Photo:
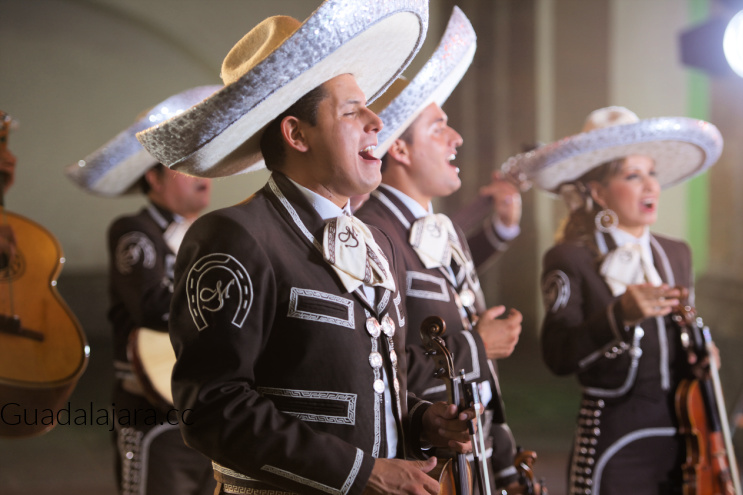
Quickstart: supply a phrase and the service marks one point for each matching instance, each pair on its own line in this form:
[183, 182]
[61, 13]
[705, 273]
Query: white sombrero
[114, 168]
[405, 100]
[681, 147]
[277, 63]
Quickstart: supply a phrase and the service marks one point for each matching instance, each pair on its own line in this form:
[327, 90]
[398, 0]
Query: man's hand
[500, 336]
[506, 199]
[396, 476]
[443, 427]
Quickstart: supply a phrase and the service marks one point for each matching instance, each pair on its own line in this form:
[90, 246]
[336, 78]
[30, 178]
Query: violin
[43, 350]
[524, 462]
[710, 467]
[455, 476]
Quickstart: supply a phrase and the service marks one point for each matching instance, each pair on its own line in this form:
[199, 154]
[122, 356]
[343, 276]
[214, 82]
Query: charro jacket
[140, 274]
[280, 367]
[628, 374]
[436, 291]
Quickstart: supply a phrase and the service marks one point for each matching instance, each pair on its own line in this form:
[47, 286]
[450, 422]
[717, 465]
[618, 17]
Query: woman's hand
[644, 301]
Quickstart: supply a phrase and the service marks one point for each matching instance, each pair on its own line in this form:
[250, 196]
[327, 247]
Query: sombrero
[404, 101]
[277, 63]
[681, 147]
[114, 168]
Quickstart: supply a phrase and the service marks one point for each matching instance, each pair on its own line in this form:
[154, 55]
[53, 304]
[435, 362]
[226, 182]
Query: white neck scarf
[350, 248]
[175, 232]
[436, 242]
[629, 264]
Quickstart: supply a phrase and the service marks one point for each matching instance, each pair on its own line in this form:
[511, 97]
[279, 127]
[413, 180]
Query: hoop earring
[606, 220]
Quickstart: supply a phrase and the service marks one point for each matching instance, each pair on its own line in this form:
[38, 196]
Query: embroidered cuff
[503, 231]
[489, 229]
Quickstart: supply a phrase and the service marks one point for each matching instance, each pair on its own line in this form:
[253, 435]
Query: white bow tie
[436, 242]
[350, 248]
[627, 265]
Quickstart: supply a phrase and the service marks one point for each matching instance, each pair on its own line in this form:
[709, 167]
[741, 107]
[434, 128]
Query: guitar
[152, 357]
[43, 351]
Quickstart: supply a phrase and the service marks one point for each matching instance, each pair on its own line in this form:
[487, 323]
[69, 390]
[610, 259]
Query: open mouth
[450, 159]
[648, 204]
[368, 153]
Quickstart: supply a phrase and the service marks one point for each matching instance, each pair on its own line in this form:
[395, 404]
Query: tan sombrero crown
[114, 168]
[277, 63]
[405, 100]
[681, 148]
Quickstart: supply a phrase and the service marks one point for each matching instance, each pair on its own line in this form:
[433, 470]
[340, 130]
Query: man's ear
[152, 177]
[293, 131]
[400, 151]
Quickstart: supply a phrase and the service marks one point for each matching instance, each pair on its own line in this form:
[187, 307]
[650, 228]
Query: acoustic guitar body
[43, 350]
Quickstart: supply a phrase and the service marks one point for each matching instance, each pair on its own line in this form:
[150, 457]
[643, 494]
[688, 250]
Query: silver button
[467, 297]
[379, 386]
[388, 326]
[373, 327]
[375, 360]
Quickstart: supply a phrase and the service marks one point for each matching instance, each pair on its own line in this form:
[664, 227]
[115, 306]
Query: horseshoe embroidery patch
[555, 290]
[218, 282]
[133, 248]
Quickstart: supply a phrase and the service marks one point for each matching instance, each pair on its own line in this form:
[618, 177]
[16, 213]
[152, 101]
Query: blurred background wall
[76, 72]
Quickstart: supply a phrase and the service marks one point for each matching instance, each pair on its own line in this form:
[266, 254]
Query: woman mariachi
[609, 286]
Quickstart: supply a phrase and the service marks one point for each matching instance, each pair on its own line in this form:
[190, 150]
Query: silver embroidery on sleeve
[133, 248]
[348, 399]
[555, 291]
[212, 280]
[294, 312]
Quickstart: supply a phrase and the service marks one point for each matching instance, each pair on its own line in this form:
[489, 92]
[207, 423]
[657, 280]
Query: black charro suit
[627, 439]
[435, 291]
[275, 356]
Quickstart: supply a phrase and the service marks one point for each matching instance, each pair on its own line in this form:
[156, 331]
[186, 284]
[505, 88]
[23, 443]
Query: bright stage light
[732, 43]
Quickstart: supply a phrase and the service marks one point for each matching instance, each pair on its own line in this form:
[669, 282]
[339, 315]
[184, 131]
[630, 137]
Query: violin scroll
[524, 462]
[431, 330]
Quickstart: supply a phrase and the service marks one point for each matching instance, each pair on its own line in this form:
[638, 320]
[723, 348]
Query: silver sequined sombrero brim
[434, 83]
[374, 41]
[681, 148]
[115, 167]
